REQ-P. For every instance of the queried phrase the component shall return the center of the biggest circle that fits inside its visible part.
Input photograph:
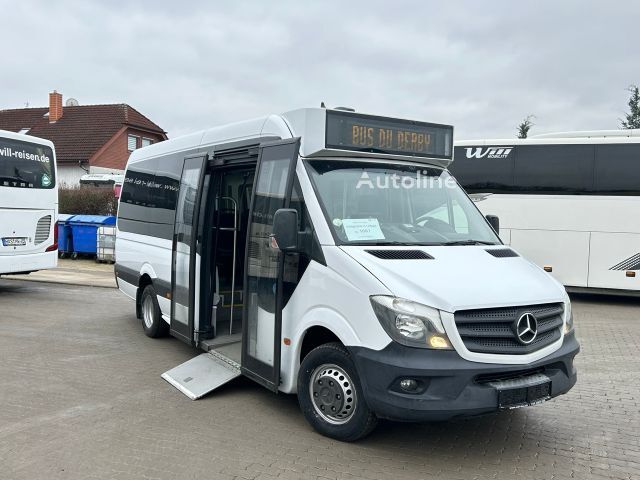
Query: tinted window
(136, 189)
(483, 169)
(26, 164)
(618, 169)
(554, 168)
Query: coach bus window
(618, 169)
(473, 168)
(554, 168)
(25, 165)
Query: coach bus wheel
(152, 323)
(330, 394)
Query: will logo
(488, 152)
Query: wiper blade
(388, 243)
(469, 242)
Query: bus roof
(312, 125)
(554, 139)
(26, 138)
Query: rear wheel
(330, 394)
(152, 323)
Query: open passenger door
(262, 315)
(184, 281)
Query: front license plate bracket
(522, 392)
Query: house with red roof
(88, 138)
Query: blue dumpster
(84, 230)
(65, 240)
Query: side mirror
(494, 221)
(285, 229)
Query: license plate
(14, 242)
(523, 392)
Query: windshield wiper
(468, 242)
(387, 243)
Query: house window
(132, 142)
(146, 141)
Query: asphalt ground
(81, 398)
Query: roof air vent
(400, 254)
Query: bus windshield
(26, 164)
(370, 203)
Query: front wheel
(152, 323)
(330, 394)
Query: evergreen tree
(525, 126)
(632, 119)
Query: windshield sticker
(46, 181)
(362, 229)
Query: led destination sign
(366, 133)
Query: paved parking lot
(81, 397)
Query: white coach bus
(330, 254)
(570, 202)
(28, 204)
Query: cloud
(481, 66)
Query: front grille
(42, 230)
(493, 330)
(400, 254)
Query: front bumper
(449, 386)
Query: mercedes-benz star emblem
(527, 328)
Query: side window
(554, 168)
(295, 264)
(617, 169)
(138, 183)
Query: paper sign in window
(362, 229)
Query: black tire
(150, 315)
(318, 367)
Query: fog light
(436, 341)
(408, 384)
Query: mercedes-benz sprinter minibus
(331, 254)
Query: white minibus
(28, 204)
(330, 254)
(568, 201)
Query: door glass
(264, 259)
(185, 234)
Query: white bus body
(28, 204)
(569, 202)
(330, 254)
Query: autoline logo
(488, 152)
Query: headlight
(568, 316)
(410, 323)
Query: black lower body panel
(449, 386)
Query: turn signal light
(548, 268)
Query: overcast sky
(480, 65)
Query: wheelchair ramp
(202, 374)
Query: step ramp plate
(202, 374)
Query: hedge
(87, 201)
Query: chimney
(55, 106)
